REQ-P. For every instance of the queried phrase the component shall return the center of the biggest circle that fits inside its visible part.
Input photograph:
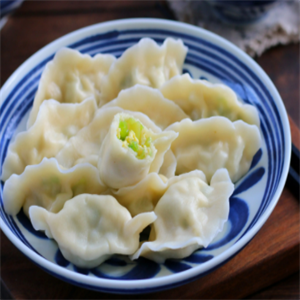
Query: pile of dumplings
(117, 146)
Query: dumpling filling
(130, 151)
(134, 136)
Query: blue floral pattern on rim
(208, 61)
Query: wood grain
(295, 133)
(286, 289)
(64, 7)
(283, 69)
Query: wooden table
(267, 268)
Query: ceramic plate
(255, 195)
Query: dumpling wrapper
(119, 165)
(189, 216)
(143, 196)
(85, 146)
(169, 165)
(145, 63)
(71, 77)
(91, 228)
(215, 143)
(56, 123)
(149, 101)
(202, 99)
(49, 186)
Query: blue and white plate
(8, 7)
(255, 195)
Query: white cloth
(281, 25)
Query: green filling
(79, 187)
(135, 126)
(148, 141)
(124, 131)
(51, 185)
(134, 146)
(133, 132)
(141, 154)
(222, 106)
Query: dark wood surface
(267, 268)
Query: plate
(255, 196)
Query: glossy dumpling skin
(202, 99)
(85, 146)
(56, 123)
(90, 228)
(143, 196)
(189, 215)
(169, 165)
(49, 186)
(71, 77)
(120, 166)
(214, 143)
(150, 102)
(145, 63)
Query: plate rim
(172, 280)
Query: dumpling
(85, 145)
(189, 215)
(150, 102)
(56, 123)
(130, 151)
(71, 77)
(145, 63)
(214, 143)
(49, 186)
(143, 196)
(168, 167)
(202, 99)
(90, 228)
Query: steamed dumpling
(143, 196)
(85, 145)
(130, 151)
(144, 157)
(189, 215)
(145, 63)
(214, 143)
(169, 165)
(150, 102)
(56, 123)
(71, 77)
(202, 99)
(49, 186)
(90, 228)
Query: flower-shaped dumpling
(90, 228)
(49, 186)
(56, 123)
(189, 215)
(71, 77)
(130, 151)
